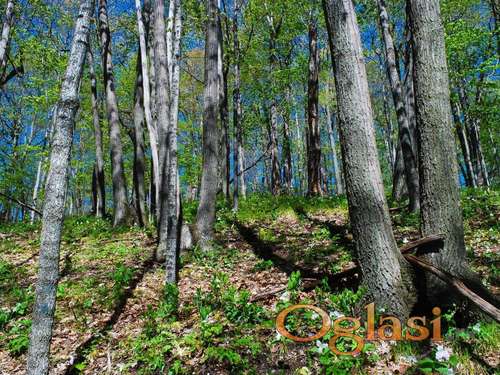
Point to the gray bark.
(205, 217)
(100, 204)
(405, 138)
(139, 156)
(313, 131)
(153, 133)
(167, 139)
(174, 203)
(339, 186)
(120, 203)
(439, 197)
(55, 192)
(385, 271)
(236, 109)
(469, 175)
(5, 38)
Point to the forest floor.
(114, 315)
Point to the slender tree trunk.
(313, 131)
(241, 168)
(55, 192)
(225, 148)
(339, 186)
(39, 171)
(399, 186)
(5, 38)
(236, 109)
(385, 271)
(166, 102)
(440, 198)
(469, 175)
(100, 210)
(205, 217)
(145, 71)
(287, 146)
(273, 116)
(139, 158)
(120, 202)
(174, 218)
(409, 159)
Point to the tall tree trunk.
(273, 114)
(405, 138)
(236, 109)
(385, 271)
(120, 203)
(100, 204)
(139, 158)
(469, 175)
(241, 168)
(145, 71)
(205, 217)
(39, 171)
(313, 131)
(174, 221)
(339, 185)
(287, 145)
(5, 38)
(440, 198)
(55, 192)
(399, 186)
(225, 148)
(167, 131)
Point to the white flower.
(335, 315)
(443, 353)
(405, 240)
(411, 359)
(321, 346)
(285, 297)
(278, 336)
(314, 316)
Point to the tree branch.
(21, 203)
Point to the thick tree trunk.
(205, 217)
(100, 204)
(386, 273)
(440, 198)
(145, 71)
(313, 131)
(405, 138)
(236, 109)
(120, 203)
(339, 185)
(139, 157)
(399, 187)
(5, 38)
(55, 192)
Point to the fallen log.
(457, 284)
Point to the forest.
(249, 187)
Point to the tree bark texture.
(387, 274)
(55, 192)
(5, 38)
(120, 202)
(405, 137)
(205, 217)
(439, 194)
(100, 204)
(313, 131)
